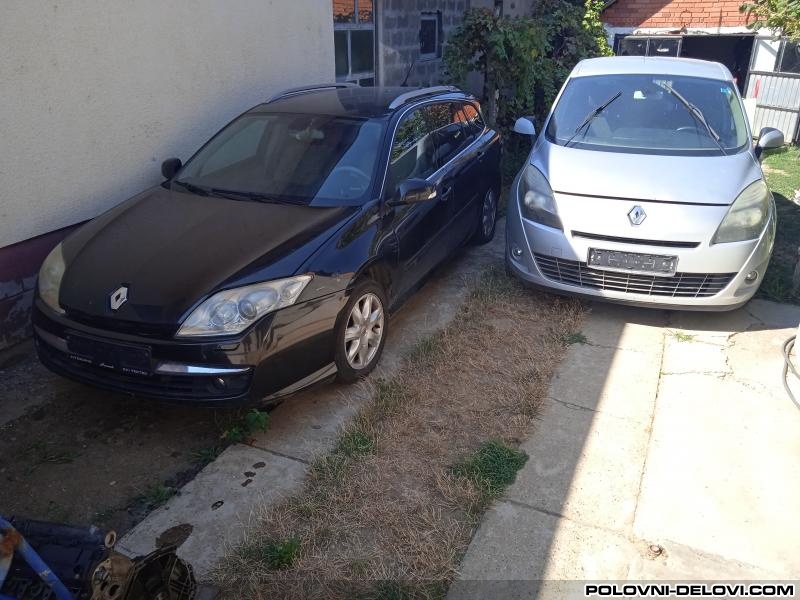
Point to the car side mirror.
(171, 166)
(412, 191)
(525, 126)
(768, 138)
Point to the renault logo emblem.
(119, 297)
(637, 215)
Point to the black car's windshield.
(647, 117)
(278, 157)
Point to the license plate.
(633, 262)
(122, 358)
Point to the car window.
(646, 117)
(413, 148)
(451, 133)
(473, 120)
(320, 160)
(240, 143)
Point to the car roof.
(648, 65)
(356, 102)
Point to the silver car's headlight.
(536, 200)
(232, 311)
(50, 275)
(747, 215)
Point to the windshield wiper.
(255, 196)
(696, 113)
(592, 116)
(195, 189)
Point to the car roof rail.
(414, 94)
(311, 88)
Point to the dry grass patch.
(390, 511)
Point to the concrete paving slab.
(722, 473)
(774, 314)
(584, 465)
(621, 383)
(217, 504)
(757, 360)
(625, 327)
(692, 355)
(684, 563)
(713, 327)
(516, 547)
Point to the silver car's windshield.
(647, 118)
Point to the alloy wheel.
(364, 331)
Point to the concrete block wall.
(399, 39)
(675, 13)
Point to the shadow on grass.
(777, 285)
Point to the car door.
(421, 228)
(471, 181)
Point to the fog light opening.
(516, 252)
(220, 383)
(751, 276)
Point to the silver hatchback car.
(645, 188)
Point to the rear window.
(645, 117)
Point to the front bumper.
(710, 277)
(282, 353)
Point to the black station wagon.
(271, 260)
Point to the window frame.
(436, 17)
(354, 26)
(782, 51)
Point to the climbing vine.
(525, 60)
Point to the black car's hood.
(172, 248)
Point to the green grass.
(492, 468)
(355, 443)
(576, 337)
(244, 426)
(682, 337)
(279, 554)
(157, 495)
(782, 169)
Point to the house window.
(354, 40)
(789, 60)
(430, 35)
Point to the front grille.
(641, 242)
(178, 387)
(682, 285)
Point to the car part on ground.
(41, 560)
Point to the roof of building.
(648, 65)
(364, 102)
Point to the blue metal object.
(11, 541)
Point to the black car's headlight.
(746, 217)
(536, 200)
(50, 275)
(232, 311)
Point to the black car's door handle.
(445, 193)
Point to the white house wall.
(95, 94)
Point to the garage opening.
(733, 51)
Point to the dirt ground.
(84, 456)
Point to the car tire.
(487, 218)
(352, 336)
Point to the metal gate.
(777, 98)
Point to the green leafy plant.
(576, 337)
(279, 554)
(157, 495)
(492, 467)
(780, 15)
(244, 426)
(525, 60)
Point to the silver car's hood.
(691, 179)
